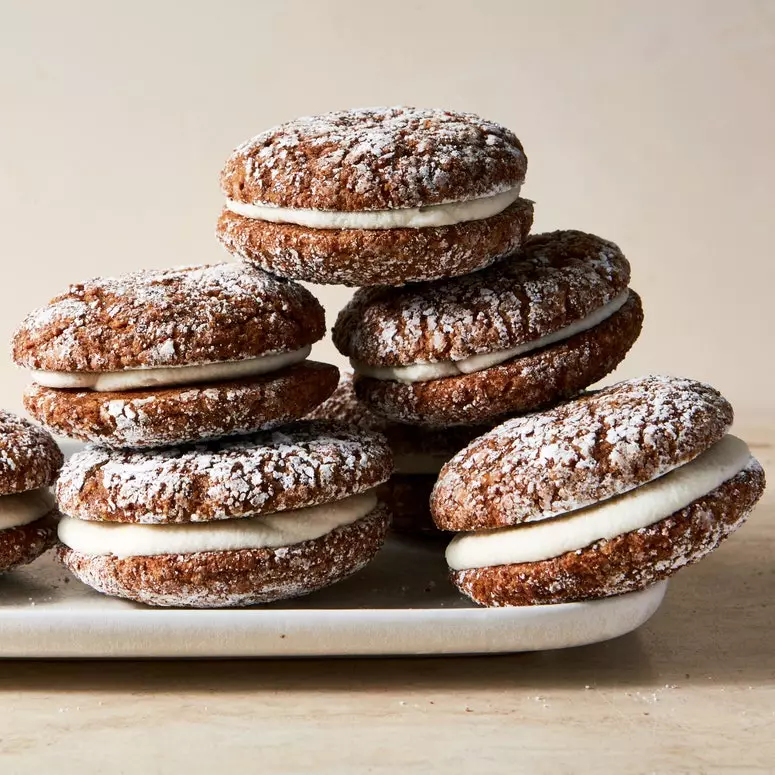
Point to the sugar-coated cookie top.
(169, 317)
(375, 159)
(555, 280)
(304, 464)
(579, 453)
(29, 456)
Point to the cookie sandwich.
(162, 357)
(29, 463)
(535, 328)
(275, 515)
(418, 456)
(600, 496)
(376, 196)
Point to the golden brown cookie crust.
(360, 257)
(21, 545)
(183, 415)
(302, 464)
(234, 578)
(375, 159)
(29, 457)
(556, 280)
(626, 563)
(599, 446)
(174, 317)
(523, 384)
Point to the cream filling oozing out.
(425, 372)
(133, 379)
(447, 214)
(24, 507)
(269, 531)
(634, 510)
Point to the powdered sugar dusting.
(156, 418)
(301, 465)
(362, 257)
(375, 159)
(29, 457)
(173, 317)
(579, 453)
(556, 280)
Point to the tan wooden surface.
(692, 691)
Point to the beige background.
(651, 124)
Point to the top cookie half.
(381, 195)
(168, 318)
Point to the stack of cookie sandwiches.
(451, 359)
(225, 468)
(198, 488)
(468, 334)
(462, 319)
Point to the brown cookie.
(375, 159)
(21, 545)
(29, 457)
(181, 415)
(304, 464)
(522, 384)
(362, 257)
(579, 453)
(166, 318)
(234, 578)
(555, 281)
(626, 563)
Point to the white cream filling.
(132, 379)
(424, 372)
(270, 531)
(446, 214)
(634, 510)
(24, 507)
(418, 463)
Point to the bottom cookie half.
(234, 578)
(164, 416)
(23, 544)
(627, 563)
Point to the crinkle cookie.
(274, 515)
(537, 327)
(162, 357)
(597, 497)
(29, 463)
(376, 196)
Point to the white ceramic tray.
(401, 604)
